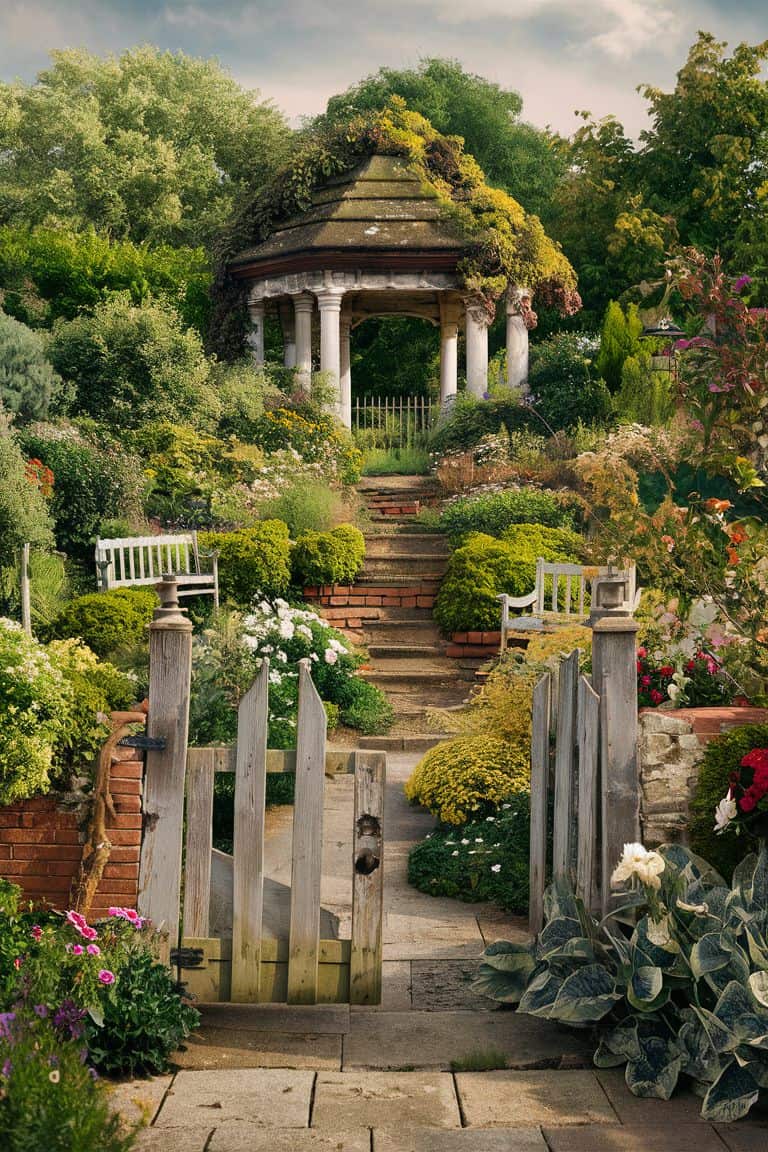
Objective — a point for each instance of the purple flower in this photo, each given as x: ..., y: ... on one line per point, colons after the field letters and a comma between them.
x: 68, y: 1018
x: 5, y: 1071
x: 742, y: 282
x: 41, y: 1011
x: 6, y: 1019
x: 486, y: 395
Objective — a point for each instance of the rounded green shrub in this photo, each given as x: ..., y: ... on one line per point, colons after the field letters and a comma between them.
x: 97, y: 688
x: 107, y: 622
x: 483, y: 567
x: 468, y: 420
x: 721, y: 757
x: 252, y: 561
x: 564, y: 385
x: 333, y: 557
x: 494, y: 512
x: 469, y: 776
x: 364, y: 706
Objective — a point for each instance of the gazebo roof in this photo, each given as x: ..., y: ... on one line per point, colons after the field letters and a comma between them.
x: 378, y: 214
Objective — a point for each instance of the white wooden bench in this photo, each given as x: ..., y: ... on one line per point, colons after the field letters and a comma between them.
x: 144, y: 560
x: 567, y: 596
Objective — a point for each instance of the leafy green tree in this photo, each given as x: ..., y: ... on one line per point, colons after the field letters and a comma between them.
x: 131, y: 363
x: 24, y: 515
x: 149, y: 145
x: 27, y: 379
x: 395, y: 357
x: 48, y: 273
x: 514, y: 155
x: 619, y: 339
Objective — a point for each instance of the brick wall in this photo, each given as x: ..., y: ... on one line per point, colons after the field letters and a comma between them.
x: 41, y: 841
x: 464, y: 645
x: 374, y: 596
x: 671, y: 745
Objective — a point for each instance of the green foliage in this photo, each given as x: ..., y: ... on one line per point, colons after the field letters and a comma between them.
x: 469, y: 777
x: 395, y: 356
x: 252, y: 561
x: 645, y: 396
x: 468, y: 420
x: 306, y: 505
x: 48, y: 274
x: 364, y: 707
x: 566, y: 388
x: 483, y: 567
x: 152, y: 145
x: 405, y: 461
x: 145, y: 1021
x: 485, y: 859
x: 619, y: 339
x: 722, y: 756
x: 333, y: 557
x: 107, y: 622
x: 316, y: 437
x: 96, y: 688
x: 679, y: 988
x: 27, y: 380
x: 94, y: 480
x: 130, y: 363
x: 494, y: 512
x: 24, y: 517
x: 241, y: 388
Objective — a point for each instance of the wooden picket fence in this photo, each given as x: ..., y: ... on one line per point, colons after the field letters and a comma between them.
x: 302, y: 969
x: 399, y: 420
x: 584, y: 785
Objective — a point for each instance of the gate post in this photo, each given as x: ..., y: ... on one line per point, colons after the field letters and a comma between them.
x: 614, y: 678
x: 170, y: 670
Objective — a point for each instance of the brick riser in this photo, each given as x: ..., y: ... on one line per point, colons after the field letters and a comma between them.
x: 364, y: 596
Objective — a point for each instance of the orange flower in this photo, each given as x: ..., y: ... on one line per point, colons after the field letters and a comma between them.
x: 717, y: 506
x: 737, y: 534
x: 669, y: 543
x: 733, y: 556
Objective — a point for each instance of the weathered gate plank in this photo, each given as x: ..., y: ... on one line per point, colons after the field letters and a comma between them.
x: 248, y: 841
x: 307, y: 843
x: 197, y: 873
x: 587, y: 724
x: 564, y: 766
x: 539, y: 800
x: 368, y: 879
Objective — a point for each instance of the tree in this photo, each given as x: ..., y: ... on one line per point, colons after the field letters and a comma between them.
x: 148, y: 145
x: 131, y: 363
x: 24, y: 515
x: 523, y: 160
x: 27, y: 379
x: 618, y: 341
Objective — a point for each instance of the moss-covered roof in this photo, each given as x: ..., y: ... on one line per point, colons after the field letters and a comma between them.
x: 379, y: 206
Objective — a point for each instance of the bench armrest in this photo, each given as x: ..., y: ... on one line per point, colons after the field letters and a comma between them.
x: 517, y: 601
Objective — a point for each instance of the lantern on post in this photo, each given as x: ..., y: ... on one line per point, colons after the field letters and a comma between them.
x: 664, y: 329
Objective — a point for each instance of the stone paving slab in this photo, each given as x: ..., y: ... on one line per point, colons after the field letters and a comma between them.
x: 332, y: 1019
x: 520, y: 1099
x: 173, y: 1139
x: 465, y: 1140
x: 435, y: 1039
x: 744, y: 1136
x: 683, y: 1108
x: 395, y: 1100
x: 138, y: 1101
x: 699, y: 1137
x: 265, y: 1097
x: 242, y: 1048
x: 235, y: 1136
x: 441, y: 985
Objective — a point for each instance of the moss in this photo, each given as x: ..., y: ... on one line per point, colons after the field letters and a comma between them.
x: 722, y: 756
x: 462, y: 778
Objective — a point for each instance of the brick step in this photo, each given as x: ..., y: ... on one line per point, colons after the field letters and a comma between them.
x: 403, y: 651
x: 417, y: 543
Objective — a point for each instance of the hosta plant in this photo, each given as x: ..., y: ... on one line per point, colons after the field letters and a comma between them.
x: 675, y: 982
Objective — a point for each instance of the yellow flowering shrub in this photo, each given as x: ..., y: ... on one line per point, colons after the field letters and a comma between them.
x: 561, y: 642
x: 461, y: 777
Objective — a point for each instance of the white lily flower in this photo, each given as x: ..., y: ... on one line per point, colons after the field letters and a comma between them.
x: 724, y: 813
x: 638, y: 861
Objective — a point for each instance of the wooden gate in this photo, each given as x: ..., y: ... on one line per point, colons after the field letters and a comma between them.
x: 303, y: 968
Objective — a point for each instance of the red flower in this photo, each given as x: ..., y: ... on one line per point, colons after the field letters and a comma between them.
x: 748, y: 802
x: 642, y: 653
x: 667, y: 670
x: 639, y: 665
x: 757, y: 758
x: 690, y: 666
x: 657, y: 696
x: 646, y: 681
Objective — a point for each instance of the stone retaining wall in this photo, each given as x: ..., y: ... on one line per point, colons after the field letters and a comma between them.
x: 41, y: 841
x: 670, y: 750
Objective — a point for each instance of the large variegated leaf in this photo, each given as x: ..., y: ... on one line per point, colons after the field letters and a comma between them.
x: 699, y: 1057
x: 708, y: 954
x: 587, y: 995
x: 645, y: 987
x: 731, y: 1096
x: 507, y: 957
x: 741, y: 1013
x: 555, y: 934
x: 560, y: 901
x: 759, y: 887
x: 506, y: 987
x: 717, y: 1031
x: 654, y: 1074
x: 540, y: 994
x: 617, y: 1046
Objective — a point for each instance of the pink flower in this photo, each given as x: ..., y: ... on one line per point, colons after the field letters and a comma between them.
x: 81, y: 925
x: 36, y: 932
x: 78, y: 950
x: 129, y: 914
x: 89, y: 933
x: 93, y: 950
x: 645, y: 681
x: 742, y: 282
x: 106, y: 977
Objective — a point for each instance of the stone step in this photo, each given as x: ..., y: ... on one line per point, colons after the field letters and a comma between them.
x: 423, y: 564
x: 378, y: 652
x: 417, y: 543
x: 398, y: 580
x: 409, y: 629
x: 419, y: 743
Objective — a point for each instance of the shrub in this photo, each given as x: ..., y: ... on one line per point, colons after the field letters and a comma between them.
x: 24, y: 517
x: 305, y: 505
x: 252, y: 561
x: 722, y: 756
x: 132, y: 363
x: 645, y: 396
x: 493, y: 512
x: 619, y: 340
x: 468, y: 420
x: 107, y: 622
x: 482, y: 568
x: 94, y: 480
x: 565, y: 387
x: 316, y: 437
x: 27, y: 379
x: 364, y: 706
x: 333, y: 557
x: 96, y: 688
x: 468, y: 777
x: 241, y: 389
x: 485, y: 859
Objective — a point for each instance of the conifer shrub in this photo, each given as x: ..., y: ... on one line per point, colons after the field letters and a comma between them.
x: 469, y: 777
x: 28, y: 382
x: 333, y: 557
x: 252, y: 561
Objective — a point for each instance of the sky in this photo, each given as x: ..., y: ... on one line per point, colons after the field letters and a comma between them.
x: 560, y: 55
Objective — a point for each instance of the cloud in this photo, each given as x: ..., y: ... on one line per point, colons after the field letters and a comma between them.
x: 634, y: 25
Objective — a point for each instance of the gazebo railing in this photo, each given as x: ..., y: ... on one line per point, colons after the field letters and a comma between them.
x: 397, y: 420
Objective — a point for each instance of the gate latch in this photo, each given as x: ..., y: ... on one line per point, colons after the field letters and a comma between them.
x: 147, y: 743
x: 187, y: 957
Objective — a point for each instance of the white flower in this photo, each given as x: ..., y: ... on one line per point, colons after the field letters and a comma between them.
x: 495, y: 867
x: 465, y: 842
x: 724, y: 813
x: 275, y: 677
x: 638, y: 861
x: 337, y: 647
x: 314, y: 656
x: 304, y: 631
x: 286, y: 629
x: 330, y: 656
x: 455, y: 853
x: 478, y: 839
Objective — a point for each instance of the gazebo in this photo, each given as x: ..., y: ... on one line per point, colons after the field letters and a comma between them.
x: 375, y: 240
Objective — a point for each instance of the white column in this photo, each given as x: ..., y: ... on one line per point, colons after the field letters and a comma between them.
x: 449, y: 349
x: 329, y: 303
x: 255, y: 338
x: 477, y: 349
x: 303, y: 306
x: 345, y: 374
x: 517, y: 343
x: 288, y: 325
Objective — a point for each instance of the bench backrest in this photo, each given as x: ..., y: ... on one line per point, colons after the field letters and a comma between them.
x: 566, y: 594
x: 145, y: 559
